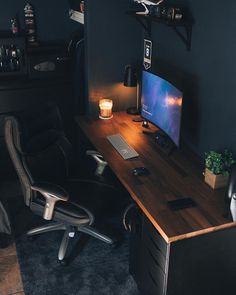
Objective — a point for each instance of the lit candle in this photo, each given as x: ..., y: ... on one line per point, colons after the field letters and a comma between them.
x: 105, y: 106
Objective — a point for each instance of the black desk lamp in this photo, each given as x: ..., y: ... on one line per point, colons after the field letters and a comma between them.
x: 131, y: 80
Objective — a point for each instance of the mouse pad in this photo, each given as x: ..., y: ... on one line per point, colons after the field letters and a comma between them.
x: 181, y: 203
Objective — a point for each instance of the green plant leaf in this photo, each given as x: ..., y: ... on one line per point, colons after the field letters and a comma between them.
x: 219, y: 163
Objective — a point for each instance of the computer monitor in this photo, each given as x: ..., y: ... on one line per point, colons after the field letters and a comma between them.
x: 162, y: 105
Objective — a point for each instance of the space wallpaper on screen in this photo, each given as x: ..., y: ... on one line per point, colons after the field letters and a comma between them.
x: 162, y: 104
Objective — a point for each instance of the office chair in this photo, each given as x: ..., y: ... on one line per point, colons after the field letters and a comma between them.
x: 232, y: 192
x: 43, y: 158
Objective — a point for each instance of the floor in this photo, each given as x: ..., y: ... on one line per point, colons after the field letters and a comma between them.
x: 10, y: 277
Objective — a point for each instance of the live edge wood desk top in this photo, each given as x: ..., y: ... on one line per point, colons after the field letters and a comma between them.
x: 173, y: 177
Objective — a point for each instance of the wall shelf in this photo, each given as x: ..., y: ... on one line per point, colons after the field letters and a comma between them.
x: 185, y: 35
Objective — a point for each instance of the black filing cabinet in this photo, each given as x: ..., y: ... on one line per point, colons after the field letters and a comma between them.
x: 149, y: 259
x: 203, y: 264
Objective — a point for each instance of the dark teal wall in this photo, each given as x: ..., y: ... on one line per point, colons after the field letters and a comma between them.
x: 210, y: 72
x: 52, y: 18
x: 112, y: 40
x: 209, y: 69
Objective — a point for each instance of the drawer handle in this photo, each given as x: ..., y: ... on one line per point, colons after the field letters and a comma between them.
x: 152, y: 278
x: 155, y: 245
x: 154, y: 259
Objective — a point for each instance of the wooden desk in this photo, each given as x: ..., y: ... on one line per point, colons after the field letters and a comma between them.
x: 203, y: 232
x: 170, y: 178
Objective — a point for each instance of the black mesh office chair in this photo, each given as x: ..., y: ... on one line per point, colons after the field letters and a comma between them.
x: 43, y: 159
x: 232, y: 192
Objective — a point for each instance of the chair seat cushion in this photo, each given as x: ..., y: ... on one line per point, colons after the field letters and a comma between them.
x: 96, y: 197
x: 91, y: 194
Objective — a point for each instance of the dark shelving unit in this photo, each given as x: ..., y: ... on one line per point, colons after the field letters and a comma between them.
x: 186, y: 24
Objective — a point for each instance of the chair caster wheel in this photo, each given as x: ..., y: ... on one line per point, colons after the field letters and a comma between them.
x: 62, y: 262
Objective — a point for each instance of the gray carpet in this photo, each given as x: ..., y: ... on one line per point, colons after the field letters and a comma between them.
x: 97, y: 268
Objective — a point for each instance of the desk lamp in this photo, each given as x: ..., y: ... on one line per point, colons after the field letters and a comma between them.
x: 131, y: 80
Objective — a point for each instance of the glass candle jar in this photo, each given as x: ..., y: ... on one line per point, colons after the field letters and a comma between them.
x: 105, y: 108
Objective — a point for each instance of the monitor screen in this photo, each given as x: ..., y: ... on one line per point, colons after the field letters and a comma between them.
x: 162, y: 105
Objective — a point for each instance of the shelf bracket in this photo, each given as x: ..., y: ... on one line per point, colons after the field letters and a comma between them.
x: 146, y: 22
x: 186, y: 39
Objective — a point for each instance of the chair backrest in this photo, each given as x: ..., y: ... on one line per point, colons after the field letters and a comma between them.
x: 232, y: 182
x: 38, y: 147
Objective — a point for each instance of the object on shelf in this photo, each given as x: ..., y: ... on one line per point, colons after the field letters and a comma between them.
x: 12, y: 55
x: 14, y: 26
x: 76, y: 16
x: 185, y: 23
x: 81, y: 6
x: 167, y: 13
x: 30, y: 26
x: 147, y: 4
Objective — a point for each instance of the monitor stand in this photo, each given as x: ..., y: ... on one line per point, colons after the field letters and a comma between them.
x: 162, y: 141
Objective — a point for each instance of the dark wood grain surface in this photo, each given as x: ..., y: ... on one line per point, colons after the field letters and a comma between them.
x: 10, y: 277
x: 171, y: 178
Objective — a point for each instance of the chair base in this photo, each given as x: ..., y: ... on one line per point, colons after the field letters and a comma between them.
x: 69, y: 233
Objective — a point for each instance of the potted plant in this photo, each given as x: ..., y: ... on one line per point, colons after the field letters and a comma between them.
x: 217, y: 167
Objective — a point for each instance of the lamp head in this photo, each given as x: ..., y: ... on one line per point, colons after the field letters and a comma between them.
x: 130, y: 76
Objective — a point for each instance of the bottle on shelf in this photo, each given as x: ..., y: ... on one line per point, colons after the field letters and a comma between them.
x: 14, y: 26
x: 30, y: 25
x: 82, y: 6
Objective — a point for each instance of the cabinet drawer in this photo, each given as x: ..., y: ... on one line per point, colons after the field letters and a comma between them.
x: 151, y: 286
x: 154, y: 251
x: 155, y: 277
x: 154, y: 235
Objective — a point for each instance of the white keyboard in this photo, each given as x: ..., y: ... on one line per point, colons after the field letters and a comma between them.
x: 122, y: 147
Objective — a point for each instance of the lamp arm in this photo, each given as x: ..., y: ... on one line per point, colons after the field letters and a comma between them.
x: 138, y: 95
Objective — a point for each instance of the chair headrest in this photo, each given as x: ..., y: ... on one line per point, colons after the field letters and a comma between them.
x: 35, y: 130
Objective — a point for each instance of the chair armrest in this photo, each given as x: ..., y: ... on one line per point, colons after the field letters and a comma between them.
x: 232, y: 192
x: 131, y: 217
x: 52, y: 193
x: 101, y: 164
x: 232, y: 182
